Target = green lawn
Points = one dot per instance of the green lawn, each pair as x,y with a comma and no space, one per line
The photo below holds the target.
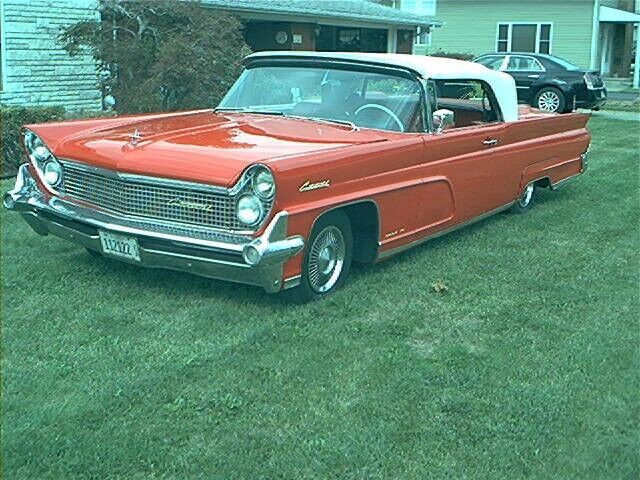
526,367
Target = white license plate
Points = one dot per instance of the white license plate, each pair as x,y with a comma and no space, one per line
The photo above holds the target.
120,246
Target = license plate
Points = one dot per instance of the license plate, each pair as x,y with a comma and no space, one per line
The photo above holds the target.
120,246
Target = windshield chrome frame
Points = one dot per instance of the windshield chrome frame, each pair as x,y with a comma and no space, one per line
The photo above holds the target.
339,64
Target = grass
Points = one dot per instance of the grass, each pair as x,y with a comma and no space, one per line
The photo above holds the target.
622,105
506,350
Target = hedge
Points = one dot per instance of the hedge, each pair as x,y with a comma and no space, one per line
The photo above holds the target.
11,119
456,55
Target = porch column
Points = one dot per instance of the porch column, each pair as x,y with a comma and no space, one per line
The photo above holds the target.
392,40
636,67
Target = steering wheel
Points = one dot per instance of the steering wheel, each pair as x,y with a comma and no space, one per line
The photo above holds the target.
384,109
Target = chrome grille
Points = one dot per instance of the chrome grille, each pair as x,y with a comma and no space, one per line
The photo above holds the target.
166,203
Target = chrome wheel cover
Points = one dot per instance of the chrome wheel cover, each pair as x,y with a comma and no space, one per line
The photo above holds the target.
549,101
526,196
326,259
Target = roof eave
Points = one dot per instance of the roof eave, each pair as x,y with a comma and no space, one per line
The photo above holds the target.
426,22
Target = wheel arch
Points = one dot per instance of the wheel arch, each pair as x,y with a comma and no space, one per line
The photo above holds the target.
364,217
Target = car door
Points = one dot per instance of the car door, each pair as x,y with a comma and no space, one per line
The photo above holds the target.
475,154
526,71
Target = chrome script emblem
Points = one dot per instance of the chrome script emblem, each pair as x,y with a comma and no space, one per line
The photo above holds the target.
307,186
179,202
135,138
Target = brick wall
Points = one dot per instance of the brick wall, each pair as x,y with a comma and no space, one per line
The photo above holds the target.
35,68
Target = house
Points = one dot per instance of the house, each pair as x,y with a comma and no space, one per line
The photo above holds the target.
326,25
35,70
596,34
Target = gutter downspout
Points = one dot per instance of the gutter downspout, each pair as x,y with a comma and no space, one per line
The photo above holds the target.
636,67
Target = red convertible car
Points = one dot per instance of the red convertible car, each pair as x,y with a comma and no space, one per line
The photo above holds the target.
311,161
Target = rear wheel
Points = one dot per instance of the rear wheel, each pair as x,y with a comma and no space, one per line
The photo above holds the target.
526,199
327,258
550,99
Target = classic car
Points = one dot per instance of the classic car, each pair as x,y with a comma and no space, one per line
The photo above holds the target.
310,162
549,83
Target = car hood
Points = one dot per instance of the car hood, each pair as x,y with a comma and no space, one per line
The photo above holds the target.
203,146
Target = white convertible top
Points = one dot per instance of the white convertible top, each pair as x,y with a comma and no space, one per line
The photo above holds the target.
436,68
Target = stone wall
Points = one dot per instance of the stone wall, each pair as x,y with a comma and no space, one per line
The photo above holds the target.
35,68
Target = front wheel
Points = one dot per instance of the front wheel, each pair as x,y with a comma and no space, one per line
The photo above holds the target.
327,258
550,99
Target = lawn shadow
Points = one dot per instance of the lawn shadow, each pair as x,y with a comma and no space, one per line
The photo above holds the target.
172,282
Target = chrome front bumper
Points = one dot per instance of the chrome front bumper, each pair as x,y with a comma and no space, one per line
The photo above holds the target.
221,256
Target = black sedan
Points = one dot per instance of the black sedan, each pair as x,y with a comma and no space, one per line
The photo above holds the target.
549,83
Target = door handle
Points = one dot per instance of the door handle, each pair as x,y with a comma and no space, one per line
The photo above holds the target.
533,76
490,142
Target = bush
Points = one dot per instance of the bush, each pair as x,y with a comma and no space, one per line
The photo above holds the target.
11,119
161,54
455,55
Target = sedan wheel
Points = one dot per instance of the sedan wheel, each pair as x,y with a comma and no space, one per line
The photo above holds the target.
550,100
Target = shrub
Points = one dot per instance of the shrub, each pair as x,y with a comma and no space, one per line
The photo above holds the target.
161,54
11,119
455,55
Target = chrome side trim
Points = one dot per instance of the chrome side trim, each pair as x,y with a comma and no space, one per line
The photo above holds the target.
402,248
291,282
563,183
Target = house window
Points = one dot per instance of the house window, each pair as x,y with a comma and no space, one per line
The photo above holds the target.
524,37
423,37
420,7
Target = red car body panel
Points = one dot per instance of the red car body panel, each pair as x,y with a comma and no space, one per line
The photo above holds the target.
420,183
197,146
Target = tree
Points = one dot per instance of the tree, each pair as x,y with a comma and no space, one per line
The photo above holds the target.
161,54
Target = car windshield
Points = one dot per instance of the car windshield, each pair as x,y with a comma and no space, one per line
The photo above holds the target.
355,97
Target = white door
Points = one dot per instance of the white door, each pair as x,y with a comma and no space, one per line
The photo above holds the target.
606,48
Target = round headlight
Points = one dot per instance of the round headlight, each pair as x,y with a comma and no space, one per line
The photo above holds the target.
41,153
263,184
249,210
52,173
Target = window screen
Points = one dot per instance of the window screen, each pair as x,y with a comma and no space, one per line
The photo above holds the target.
523,38
503,38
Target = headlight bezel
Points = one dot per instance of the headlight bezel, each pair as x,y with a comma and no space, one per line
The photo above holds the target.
248,186
258,178
40,156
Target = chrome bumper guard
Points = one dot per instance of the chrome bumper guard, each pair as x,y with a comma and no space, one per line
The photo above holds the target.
243,259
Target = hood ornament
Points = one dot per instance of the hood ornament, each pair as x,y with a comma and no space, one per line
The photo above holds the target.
135,138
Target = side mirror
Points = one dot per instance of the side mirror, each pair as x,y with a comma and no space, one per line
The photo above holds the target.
442,119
